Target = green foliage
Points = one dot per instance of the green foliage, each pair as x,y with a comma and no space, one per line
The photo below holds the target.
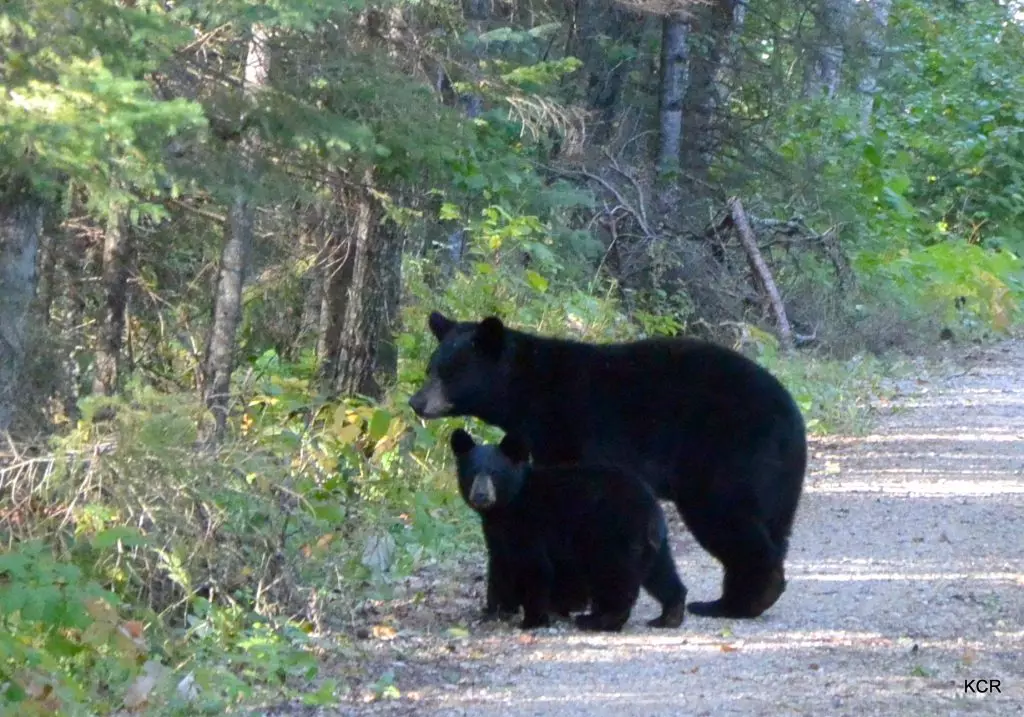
61,644
74,104
929,197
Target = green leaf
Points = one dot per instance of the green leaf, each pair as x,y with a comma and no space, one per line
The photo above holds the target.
449,212
329,511
872,155
127,535
349,434
379,424
536,281
324,696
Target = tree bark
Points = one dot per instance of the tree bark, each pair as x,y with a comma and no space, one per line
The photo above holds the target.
713,38
309,318
761,271
47,269
337,281
825,68
238,237
21,223
391,292
117,247
376,271
874,41
674,31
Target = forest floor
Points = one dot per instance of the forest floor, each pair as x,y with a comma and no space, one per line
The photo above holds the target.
905,580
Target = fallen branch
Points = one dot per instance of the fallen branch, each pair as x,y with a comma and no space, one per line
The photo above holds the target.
761,271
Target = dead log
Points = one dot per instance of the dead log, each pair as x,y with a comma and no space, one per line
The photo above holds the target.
761,271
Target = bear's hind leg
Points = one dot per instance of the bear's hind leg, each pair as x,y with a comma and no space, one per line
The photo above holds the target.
754,578
664,585
614,589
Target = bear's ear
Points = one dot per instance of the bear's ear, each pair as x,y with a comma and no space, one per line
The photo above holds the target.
490,336
440,325
515,448
461,442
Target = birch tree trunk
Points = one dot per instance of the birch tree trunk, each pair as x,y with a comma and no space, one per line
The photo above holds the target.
674,33
238,236
874,40
21,224
824,71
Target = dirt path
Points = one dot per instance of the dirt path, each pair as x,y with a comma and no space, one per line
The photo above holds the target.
906,578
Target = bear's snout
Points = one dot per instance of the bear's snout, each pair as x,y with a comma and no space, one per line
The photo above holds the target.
431,401
483,494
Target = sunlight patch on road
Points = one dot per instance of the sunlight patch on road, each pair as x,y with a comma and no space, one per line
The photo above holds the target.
958,436
904,484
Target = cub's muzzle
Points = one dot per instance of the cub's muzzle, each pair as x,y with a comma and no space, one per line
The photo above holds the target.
483,494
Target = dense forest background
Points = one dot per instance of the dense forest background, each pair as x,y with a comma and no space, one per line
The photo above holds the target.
222,226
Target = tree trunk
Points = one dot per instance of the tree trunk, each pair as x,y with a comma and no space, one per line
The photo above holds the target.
337,280
391,292
75,264
674,31
309,319
47,268
713,38
874,40
238,236
593,27
375,265
117,247
825,68
21,223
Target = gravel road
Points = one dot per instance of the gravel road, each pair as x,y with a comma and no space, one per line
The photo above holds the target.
905,581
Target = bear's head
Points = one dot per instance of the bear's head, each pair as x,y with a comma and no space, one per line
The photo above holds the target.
468,372
489,476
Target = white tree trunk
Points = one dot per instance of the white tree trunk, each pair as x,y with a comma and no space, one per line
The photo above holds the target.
825,69
874,41
674,33
238,236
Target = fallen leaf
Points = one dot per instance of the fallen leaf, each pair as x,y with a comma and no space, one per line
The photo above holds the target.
384,632
134,628
458,632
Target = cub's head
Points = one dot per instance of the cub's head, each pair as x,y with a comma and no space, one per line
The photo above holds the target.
489,476
468,372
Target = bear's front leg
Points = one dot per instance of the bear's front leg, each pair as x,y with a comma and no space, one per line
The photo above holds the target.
537,575
502,601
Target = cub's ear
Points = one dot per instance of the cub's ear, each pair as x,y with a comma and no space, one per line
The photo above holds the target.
515,448
440,325
461,442
490,336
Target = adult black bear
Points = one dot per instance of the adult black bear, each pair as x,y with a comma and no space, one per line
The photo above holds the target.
607,523
705,426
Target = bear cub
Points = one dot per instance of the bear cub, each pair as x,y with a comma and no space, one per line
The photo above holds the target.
599,523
